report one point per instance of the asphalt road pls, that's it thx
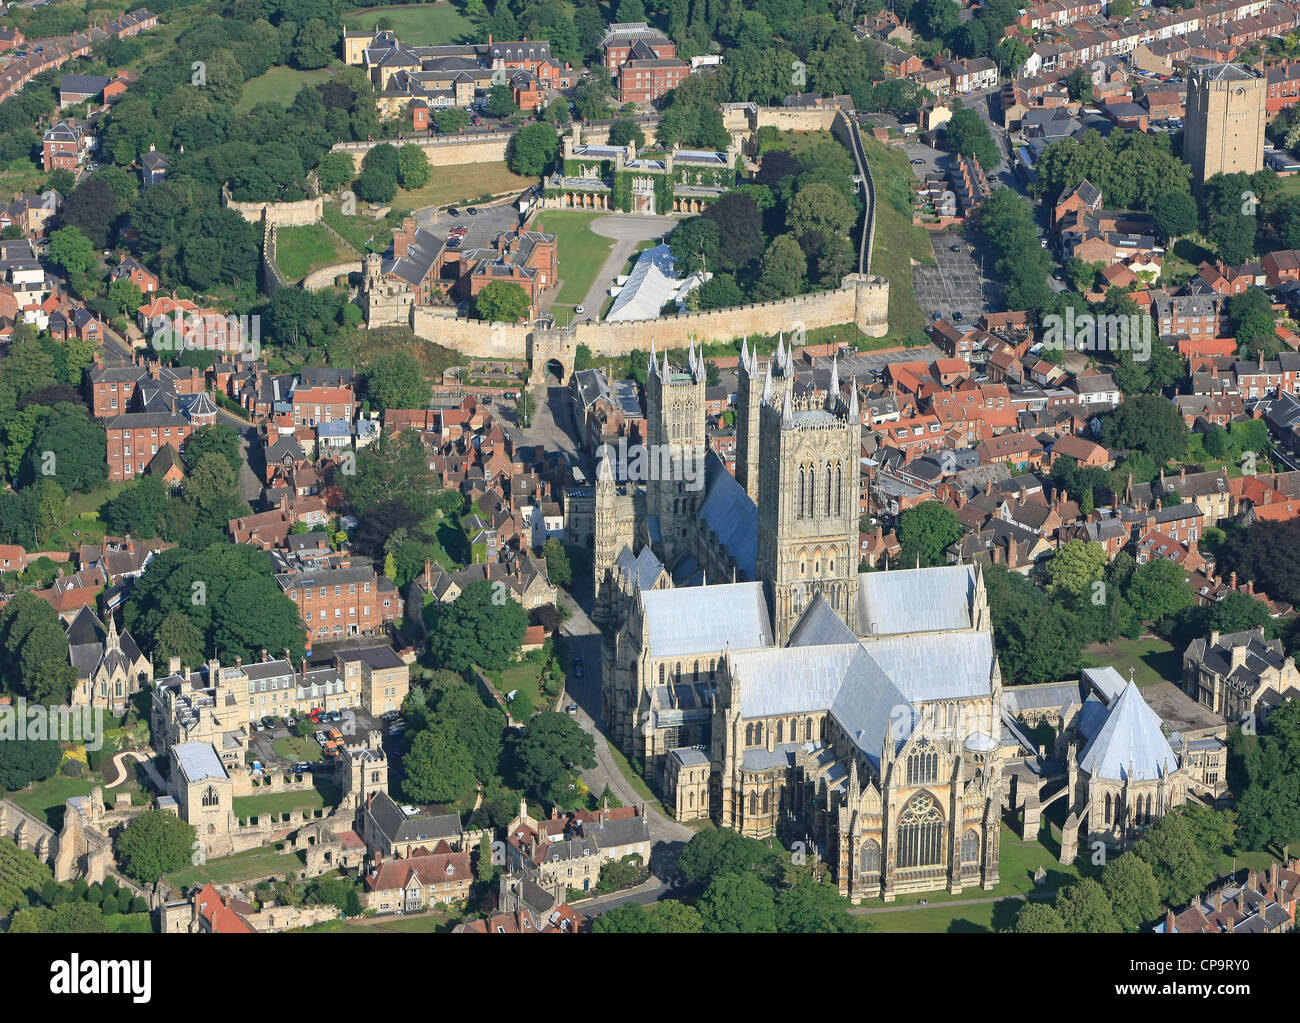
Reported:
(627, 231)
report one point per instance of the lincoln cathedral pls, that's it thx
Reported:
(765, 683)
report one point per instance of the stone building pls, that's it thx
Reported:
(1226, 117)
(204, 792)
(1237, 674)
(110, 667)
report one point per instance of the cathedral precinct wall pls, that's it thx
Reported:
(860, 299)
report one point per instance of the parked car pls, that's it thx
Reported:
(579, 309)
(322, 739)
(572, 710)
(472, 211)
(453, 211)
(268, 721)
(336, 715)
(290, 722)
(258, 726)
(577, 667)
(917, 163)
(954, 248)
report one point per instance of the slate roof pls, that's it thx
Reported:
(680, 622)
(898, 602)
(1130, 745)
(730, 513)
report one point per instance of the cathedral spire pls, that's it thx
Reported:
(779, 357)
(690, 358)
(767, 382)
(787, 408)
(744, 356)
(667, 371)
(855, 416)
(833, 395)
(653, 370)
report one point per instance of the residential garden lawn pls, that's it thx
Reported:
(323, 793)
(1151, 659)
(526, 677)
(899, 243)
(296, 747)
(83, 525)
(300, 250)
(279, 85)
(582, 253)
(1182, 260)
(243, 866)
(419, 24)
(462, 183)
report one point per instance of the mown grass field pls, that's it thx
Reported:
(300, 250)
(460, 183)
(240, 867)
(419, 24)
(279, 85)
(581, 252)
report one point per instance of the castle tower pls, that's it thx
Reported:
(808, 499)
(749, 399)
(676, 443)
(1225, 123)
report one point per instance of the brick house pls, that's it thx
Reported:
(65, 146)
(135, 437)
(343, 601)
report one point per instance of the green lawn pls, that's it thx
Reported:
(279, 85)
(581, 253)
(438, 922)
(419, 24)
(899, 243)
(324, 793)
(1151, 658)
(526, 677)
(300, 250)
(240, 867)
(975, 919)
(295, 747)
(45, 800)
(360, 231)
(460, 183)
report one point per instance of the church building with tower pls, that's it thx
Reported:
(763, 682)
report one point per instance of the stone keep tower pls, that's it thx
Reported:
(748, 399)
(807, 498)
(1226, 116)
(675, 434)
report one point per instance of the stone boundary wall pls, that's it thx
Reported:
(860, 299)
(847, 132)
(272, 278)
(319, 280)
(278, 214)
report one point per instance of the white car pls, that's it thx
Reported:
(579, 309)
(411, 811)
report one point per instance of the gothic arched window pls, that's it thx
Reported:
(802, 488)
(920, 832)
(839, 487)
(970, 847)
(758, 733)
(812, 490)
(922, 768)
(661, 674)
(767, 801)
(753, 803)
(696, 676)
(1108, 808)
(869, 858)
(210, 797)
(780, 731)
(828, 490)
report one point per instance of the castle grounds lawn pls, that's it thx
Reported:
(581, 252)
(300, 250)
(418, 24)
(242, 866)
(459, 183)
(279, 85)
(358, 230)
(1151, 659)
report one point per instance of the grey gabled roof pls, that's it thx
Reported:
(915, 601)
(730, 513)
(642, 571)
(1130, 745)
(820, 625)
(680, 622)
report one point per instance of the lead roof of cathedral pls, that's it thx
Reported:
(698, 619)
(925, 601)
(730, 513)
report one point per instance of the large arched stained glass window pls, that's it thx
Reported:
(920, 833)
(869, 858)
(970, 847)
